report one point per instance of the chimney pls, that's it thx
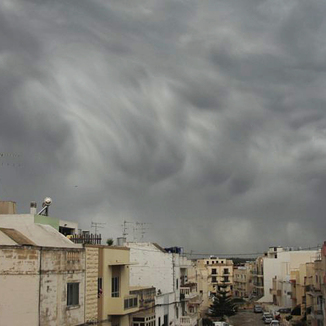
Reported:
(33, 206)
(7, 207)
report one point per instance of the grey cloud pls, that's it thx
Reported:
(205, 119)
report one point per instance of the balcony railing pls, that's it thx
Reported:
(94, 239)
(188, 320)
(187, 293)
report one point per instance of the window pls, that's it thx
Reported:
(115, 287)
(207, 262)
(99, 287)
(214, 271)
(226, 271)
(177, 281)
(166, 320)
(130, 303)
(214, 279)
(72, 294)
(159, 321)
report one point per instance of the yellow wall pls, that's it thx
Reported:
(115, 262)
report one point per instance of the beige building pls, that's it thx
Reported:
(41, 278)
(308, 290)
(258, 278)
(212, 275)
(190, 297)
(109, 296)
(242, 281)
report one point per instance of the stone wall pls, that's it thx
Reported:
(91, 298)
(19, 284)
(58, 268)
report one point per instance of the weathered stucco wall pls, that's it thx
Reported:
(91, 298)
(151, 267)
(19, 284)
(59, 267)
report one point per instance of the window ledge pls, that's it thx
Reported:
(73, 307)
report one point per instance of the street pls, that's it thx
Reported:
(247, 318)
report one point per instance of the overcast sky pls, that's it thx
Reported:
(206, 119)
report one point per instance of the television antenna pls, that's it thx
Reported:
(142, 227)
(97, 225)
(8, 160)
(125, 228)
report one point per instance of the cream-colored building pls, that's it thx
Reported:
(109, 296)
(308, 290)
(242, 281)
(41, 277)
(213, 274)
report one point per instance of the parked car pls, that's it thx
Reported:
(284, 310)
(268, 319)
(258, 308)
(221, 323)
(264, 315)
(274, 323)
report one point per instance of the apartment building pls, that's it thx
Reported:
(242, 281)
(190, 297)
(165, 270)
(258, 278)
(213, 274)
(308, 290)
(277, 266)
(108, 295)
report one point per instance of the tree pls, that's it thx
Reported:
(223, 303)
(109, 242)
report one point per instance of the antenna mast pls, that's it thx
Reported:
(97, 225)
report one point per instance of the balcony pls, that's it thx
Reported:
(317, 312)
(188, 320)
(146, 296)
(187, 293)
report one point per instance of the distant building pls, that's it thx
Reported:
(308, 285)
(277, 274)
(242, 281)
(213, 274)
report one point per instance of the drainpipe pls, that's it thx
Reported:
(39, 288)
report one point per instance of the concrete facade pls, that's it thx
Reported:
(38, 269)
(58, 268)
(242, 280)
(33, 282)
(152, 266)
(279, 269)
(19, 284)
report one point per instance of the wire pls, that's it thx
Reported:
(192, 253)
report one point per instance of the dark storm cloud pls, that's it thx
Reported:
(206, 119)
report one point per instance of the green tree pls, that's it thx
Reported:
(109, 242)
(223, 303)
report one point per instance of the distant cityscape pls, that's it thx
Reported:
(53, 273)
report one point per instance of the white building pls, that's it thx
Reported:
(152, 266)
(277, 267)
